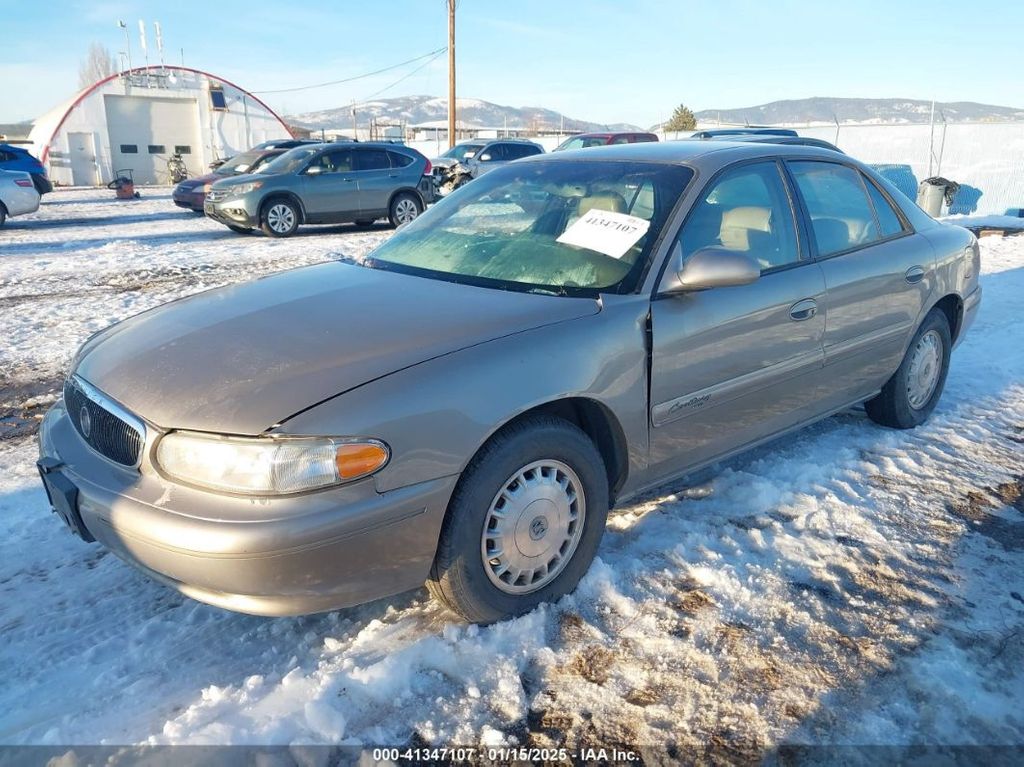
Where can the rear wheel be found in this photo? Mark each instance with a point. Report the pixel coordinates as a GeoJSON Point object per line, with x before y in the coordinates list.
{"type": "Point", "coordinates": [524, 522]}
{"type": "Point", "coordinates": [910, 396]}
{"type": "Point", "coordinates": [280, 218]}
{"type": "Point", "coordinates": [404, 208]}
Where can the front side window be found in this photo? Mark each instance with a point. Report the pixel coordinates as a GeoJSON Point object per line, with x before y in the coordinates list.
{"type": "Point", "coordinates": [745, 210]}
{"type": "Point", "coordinates": [289, 162]}
{"type": "Point", "coordinates": [841, 215]}
{"type": "Point", "coordinates": [569, 228]}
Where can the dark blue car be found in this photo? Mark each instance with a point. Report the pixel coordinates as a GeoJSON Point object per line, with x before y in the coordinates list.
{"type": "Point", "coordinates": [16, 158]}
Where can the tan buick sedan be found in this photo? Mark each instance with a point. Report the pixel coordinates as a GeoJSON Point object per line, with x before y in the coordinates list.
{"type": "Point", "coordinates": [463, 406]}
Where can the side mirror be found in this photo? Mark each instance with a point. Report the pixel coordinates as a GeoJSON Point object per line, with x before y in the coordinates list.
{"type": "Point", "coordinates": [485, 157]}
{"type": "Point", "coordinates": [314, 170]}
{"type": "Point", "coordinates": [708, 268]}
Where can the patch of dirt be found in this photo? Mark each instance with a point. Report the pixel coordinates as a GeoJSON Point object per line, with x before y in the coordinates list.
{"type": "Point", "coordinates": [23, 405]}
{"type": "Point", "coordinates": [593, 663]}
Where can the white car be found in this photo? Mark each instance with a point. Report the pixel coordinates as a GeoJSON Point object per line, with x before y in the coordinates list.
{"type": "Point", "coordinates": [18, 194]}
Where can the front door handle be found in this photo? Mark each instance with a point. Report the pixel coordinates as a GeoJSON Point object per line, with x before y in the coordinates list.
{"type": "Point", "coordinates": [803, 310]}
{"type": "Point", "coordinates": [914, 274]}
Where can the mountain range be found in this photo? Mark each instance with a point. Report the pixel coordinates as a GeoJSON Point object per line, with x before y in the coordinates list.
{"type": "Point", "coordinates": [827, 110]}
{"type": "Point", "coordinates": [414, 110]}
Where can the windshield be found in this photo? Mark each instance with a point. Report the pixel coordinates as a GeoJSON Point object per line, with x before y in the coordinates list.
{"type": "Point", "coordinates": [462, 152]}
{"type": "Point", "coordinates": [569, 228]}
{"type": "Point", "coordinates": [240, 163]}
{"type": "Point", "coordinates": [581, 142]}
{"type": "Point", "coordinates": [290, 161]}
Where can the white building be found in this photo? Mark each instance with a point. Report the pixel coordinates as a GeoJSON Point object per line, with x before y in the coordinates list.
{"type": "Point", "coordinates": [136, 120]}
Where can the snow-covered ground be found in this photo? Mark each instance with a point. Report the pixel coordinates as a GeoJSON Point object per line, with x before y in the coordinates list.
{"type": "Point", "coordinates": [847, 585]}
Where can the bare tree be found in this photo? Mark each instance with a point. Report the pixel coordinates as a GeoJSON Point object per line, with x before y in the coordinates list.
{"type": "Point", "coordinates": [97, 64]}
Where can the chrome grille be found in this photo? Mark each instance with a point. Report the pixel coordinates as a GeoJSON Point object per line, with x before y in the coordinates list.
{"type": "Point", "coordinates": [216, 194]}
{"type": "Point", "coordinates": [104, 431]}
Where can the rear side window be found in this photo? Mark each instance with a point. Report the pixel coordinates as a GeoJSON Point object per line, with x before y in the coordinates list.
{"type": "Point", "coordinates": [372, 159]}
{"type": "Point", "coordinates": [841, 215]}
{"type": "Point", "coordinates": [888, 220]}
{"type": "Point", "coordinates": [399, 160]}
{"type": "Point", "coordinates": [746, 210]}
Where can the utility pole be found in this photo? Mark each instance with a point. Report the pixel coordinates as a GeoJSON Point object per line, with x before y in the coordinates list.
{"type": "Point", "coordinates": [451, 73]}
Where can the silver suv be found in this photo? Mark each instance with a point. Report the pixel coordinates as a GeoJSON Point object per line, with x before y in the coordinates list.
{"type": "Point", "coordinates": [470, 159]}
{"type": "Point", "coordinates": [325, 184]}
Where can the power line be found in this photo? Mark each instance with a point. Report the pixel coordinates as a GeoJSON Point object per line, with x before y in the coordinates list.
{"type": "Point", "coordinates": [422, 66]}
{"type": "Point", "coordinates": [433, 53]}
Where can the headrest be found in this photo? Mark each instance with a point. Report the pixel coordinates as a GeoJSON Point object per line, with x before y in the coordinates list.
{"type": "Point", "coordinates": [612, 201]}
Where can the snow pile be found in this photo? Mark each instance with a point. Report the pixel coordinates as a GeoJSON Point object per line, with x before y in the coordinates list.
{"type": "Point", "coordinates": [848, 584]}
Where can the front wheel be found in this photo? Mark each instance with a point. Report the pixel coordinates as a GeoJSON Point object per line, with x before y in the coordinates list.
{"type": "Point", "coordinates": [524, 522]}
{"type": "Point", "coordinates": [280, 218]}
{"type": "Point", "coordinates": [404, 209]}
{"type": "Point", "coordinates": [910, 396]}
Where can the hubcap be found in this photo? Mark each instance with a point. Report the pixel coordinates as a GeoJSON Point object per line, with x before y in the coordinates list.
{"type": "Point", "coordinates": [280, 218]}
{"type": "Point", "coordinates": [406, 210]}
{"type": "Point", "coordinates": [533, 527]}
{"type": "Point", "coordinates": [925, 365]}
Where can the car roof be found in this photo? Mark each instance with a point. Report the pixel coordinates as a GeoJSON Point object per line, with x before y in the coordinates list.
{"type": "Point", "coordinates": [603, 133]}
{"type": "Point", "coordinates": [765, 138]}
{"type": "Point", "coordinates": [683, 151]}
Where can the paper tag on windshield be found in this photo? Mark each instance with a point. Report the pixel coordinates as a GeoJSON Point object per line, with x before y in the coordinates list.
{"type": "Point", "coordinates": [606, 232]}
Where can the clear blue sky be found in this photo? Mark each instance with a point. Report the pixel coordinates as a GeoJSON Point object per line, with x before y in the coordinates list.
{"type": "Point", "coordinates": [628, 61]}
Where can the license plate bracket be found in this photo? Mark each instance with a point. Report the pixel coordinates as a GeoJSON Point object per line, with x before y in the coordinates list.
{"type": "Point", "coordinates": [63, 496]}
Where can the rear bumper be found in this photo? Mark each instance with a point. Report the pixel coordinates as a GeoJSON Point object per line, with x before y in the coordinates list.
{"type": "Point", "coordinates": [42, 183]}
{"type": "Point", "coordinates": [284, 556]}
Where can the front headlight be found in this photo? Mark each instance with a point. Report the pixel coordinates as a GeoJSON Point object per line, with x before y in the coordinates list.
{"type": "Point", "coordinates": [267, 465]}
{"type": "Point", "coordinates": [244, 188]}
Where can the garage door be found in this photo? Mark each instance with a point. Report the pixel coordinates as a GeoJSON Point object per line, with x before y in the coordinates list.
{"type": "Point", "coordinates": [145, 131]}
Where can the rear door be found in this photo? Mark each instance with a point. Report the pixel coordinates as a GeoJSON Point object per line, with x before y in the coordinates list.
{"type": "Point", "coordinates": [376, 182]}
{"type": "Point", "coordinates": [733, 365]}
{"type": "Point", "coordinates": [878, 274]}
{"type": "Point", "coordinates": [332, 194]}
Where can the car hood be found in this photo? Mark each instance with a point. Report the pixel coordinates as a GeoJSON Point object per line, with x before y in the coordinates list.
{"type": "Point", "coordinates": [192, 183]}
{"type": "Point", "coordinates": [242, 358]}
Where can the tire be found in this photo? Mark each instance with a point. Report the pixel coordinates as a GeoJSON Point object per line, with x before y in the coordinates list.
{"type": "Point", "coordinates": [240, 229]}
{"type": "Point", "coordinates": [404, 208]}
{"type": "Point", "coordinates": [279, 218]}
{"type": "Point", "coordinates": [3, 214]}
{"type": "Point", "coordinates": [910, 396]}
{"type": "Point", "coordinates": [528, 453]}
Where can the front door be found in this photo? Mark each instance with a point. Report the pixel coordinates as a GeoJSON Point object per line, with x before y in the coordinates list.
{"type": "Point", "coordinates": [733, 365]}
{"type": "Point", "coordinates": [332, 193]}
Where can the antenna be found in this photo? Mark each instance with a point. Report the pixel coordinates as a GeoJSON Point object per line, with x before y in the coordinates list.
{"type": "Point", "coordinates": [127, 46]}
{"type": "Point", "coordinates": [159, 45]}
{"type": "Point", "coordinates": [145, 48]}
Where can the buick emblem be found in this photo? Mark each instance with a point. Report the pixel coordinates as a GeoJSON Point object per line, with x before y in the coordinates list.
{"type": "Point", "coordinates": [85, 421]}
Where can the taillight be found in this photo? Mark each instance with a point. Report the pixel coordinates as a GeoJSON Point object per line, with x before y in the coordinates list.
{"type": "Point", "coordinates": [26, 182]}
{"type": "Point", "coordinates": [429, 169]}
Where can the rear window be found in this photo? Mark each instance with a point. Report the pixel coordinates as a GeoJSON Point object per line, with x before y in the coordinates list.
{"type": "Point", "coordinates": [399, 160]}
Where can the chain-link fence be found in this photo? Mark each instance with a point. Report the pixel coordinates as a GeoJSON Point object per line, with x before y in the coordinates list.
{"type": "Point", "coordinates": [985, 159]}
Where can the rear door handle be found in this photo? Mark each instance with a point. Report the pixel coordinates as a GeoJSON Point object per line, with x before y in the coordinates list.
{"type": "Point", "coordinates": [914, 274]}
{"type": "Point", "coordinates": [803, 310]}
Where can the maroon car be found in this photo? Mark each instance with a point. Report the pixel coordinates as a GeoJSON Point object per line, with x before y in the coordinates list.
{"type": "Point", "coordinates": [585, 140]}
{"type": "Point", "coordinates": [191, 193]}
